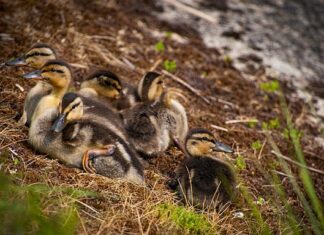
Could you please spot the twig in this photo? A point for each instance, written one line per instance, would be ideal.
(92, 216)
(130, 64)
(219, 128)
(283, 174)
(82, 224)
(241, 121)
(113, 60)
(191, 10)
(219, 100)
(85, 205)
(297, 163)
(261, 150)
(156, 64)
(179, 80)
(82, 66)
(19, 87)
(139, 222)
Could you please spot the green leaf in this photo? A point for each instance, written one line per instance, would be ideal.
(159, 46)
(270, 86)
(170, 65)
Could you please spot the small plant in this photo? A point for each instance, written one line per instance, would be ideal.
(240, 162)
(228, 60)
(168, 34)
(260, 201)
(270, 86)
(16, 161)
(159, 47)
(252, 123)
(185, 219)
(21, 210)
(272, 124)
(256, 145)
(170, 65)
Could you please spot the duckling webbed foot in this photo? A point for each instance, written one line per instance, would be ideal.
(91, 154)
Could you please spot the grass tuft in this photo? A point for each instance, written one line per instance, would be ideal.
(185, 219)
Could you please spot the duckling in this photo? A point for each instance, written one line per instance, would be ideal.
(105, 152)
(206, 178)
(154, 124)
(102, 83)
(106, 84)
(35, 57)
(40, 136)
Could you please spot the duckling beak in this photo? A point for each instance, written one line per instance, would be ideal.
(220, 147)
(33, 75)
(20, 61)
(59, 123)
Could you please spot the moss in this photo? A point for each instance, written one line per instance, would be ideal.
(185, 219)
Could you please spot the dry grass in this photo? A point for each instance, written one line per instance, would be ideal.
(120, 38)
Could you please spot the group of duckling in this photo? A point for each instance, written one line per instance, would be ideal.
(108, 126)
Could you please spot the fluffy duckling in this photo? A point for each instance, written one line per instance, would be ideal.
(40, 136)
(154, 124)
(205, 179)
(102, 83)
(105, 152)
(107, 85)
(35, 57)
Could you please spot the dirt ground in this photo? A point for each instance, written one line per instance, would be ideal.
(126, 33)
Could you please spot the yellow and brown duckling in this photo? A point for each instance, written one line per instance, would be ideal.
(107, 86)
(35, 57)
(104, 151)
(102, 83)
(40, 136)
(206, 179)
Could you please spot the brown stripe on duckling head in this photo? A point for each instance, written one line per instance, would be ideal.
(145, 84)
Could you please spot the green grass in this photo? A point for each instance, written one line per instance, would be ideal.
(304, 175)
(25, 208)
(313, 207)
(185, 219)
(270, 86)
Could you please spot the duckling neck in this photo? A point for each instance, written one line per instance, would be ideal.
(59, 92)
(49, 102)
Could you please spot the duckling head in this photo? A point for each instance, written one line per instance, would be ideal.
(151, 87)
(35, 57)
(201, 142)
(104, 83)
(70, 109)
(55, 72)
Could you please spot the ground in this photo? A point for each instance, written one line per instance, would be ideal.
(122, 37)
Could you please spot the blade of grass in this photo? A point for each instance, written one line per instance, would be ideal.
(287, 170)
(303, 172)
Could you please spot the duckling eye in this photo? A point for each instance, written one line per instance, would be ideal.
(205, 139)
(159, 82)
(74, 106)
